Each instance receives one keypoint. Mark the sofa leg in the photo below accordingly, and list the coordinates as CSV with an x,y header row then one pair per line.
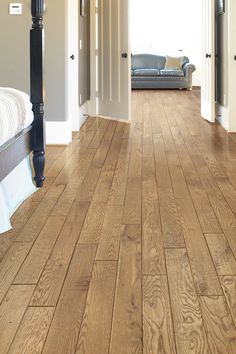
x,y
189,89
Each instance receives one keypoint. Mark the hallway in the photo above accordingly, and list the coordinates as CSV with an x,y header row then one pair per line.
x,y
131,246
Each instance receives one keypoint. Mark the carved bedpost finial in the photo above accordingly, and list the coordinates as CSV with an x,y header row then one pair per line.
x,y
37,11
36,83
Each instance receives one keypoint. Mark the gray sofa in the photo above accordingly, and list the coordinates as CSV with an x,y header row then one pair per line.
x,y
148,72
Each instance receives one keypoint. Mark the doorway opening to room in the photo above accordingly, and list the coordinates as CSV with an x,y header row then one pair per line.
x,y
145,23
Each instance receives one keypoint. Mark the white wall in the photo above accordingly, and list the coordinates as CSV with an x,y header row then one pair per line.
x,y
165,27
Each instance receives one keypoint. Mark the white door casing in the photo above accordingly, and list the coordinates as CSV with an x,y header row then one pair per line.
x,y
231,11
114,60
72,65
208,103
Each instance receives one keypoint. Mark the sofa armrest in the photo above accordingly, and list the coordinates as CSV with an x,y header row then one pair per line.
x,y
188,69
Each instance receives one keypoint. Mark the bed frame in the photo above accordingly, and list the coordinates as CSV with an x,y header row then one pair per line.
x,y
30,139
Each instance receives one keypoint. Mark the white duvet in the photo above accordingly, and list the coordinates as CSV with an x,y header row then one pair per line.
x,y
15,113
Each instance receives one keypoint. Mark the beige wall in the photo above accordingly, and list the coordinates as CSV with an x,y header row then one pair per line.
x,y
14,58
222,57
84,56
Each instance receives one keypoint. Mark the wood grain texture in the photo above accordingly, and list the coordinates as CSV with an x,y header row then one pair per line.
x,y
51,280
220,329
38,256
92,228
109,244
188,324
229,288
222,255
158,333
171,224
127,318
98,312
131,243
11,264
12,311
132,207
32,333
63,333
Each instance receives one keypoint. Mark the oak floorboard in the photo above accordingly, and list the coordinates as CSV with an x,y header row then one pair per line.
x,y
32,332
12,311
132,206
222,255
220,329
51,280
97,318
131,243
64,330
229,287
39,253
158,333
11,264
37,221
109,244
188,324
127,318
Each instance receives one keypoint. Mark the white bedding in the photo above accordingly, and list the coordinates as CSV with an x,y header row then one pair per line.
x,y
15,113
13,194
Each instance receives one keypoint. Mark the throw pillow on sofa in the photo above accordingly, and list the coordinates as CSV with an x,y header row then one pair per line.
x,y
174,63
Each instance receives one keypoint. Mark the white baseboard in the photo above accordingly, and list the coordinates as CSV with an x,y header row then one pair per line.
x,y
58,133
222,116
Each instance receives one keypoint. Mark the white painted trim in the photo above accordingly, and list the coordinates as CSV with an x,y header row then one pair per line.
x,y
115,119
222,116
231,66
58,133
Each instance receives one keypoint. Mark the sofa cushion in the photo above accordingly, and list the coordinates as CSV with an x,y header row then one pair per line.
x,y
174,63
178,73
146,72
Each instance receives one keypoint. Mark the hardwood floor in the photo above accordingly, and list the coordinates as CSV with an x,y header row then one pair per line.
x,y
131,245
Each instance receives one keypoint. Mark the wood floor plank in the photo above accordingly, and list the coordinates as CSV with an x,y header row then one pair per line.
x,y
51,281
32,333
68,196
171,224
205,276
98,312
220,329
12,311
147,211
108,247
127,318
92,228
153,261
158,333
64,330
205,212
229,288
103,148
11,264
132,207
222,210
118,188
222,255
36,222
189,330
38,255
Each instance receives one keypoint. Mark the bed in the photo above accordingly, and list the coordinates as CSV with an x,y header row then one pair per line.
x,y
22,121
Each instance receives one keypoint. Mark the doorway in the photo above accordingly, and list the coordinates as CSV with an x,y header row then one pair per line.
x,y
114,53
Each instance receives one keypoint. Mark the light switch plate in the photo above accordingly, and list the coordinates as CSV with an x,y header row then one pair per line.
x,y
15,8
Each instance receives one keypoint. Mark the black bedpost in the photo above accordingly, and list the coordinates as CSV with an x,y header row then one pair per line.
x,y
36,88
